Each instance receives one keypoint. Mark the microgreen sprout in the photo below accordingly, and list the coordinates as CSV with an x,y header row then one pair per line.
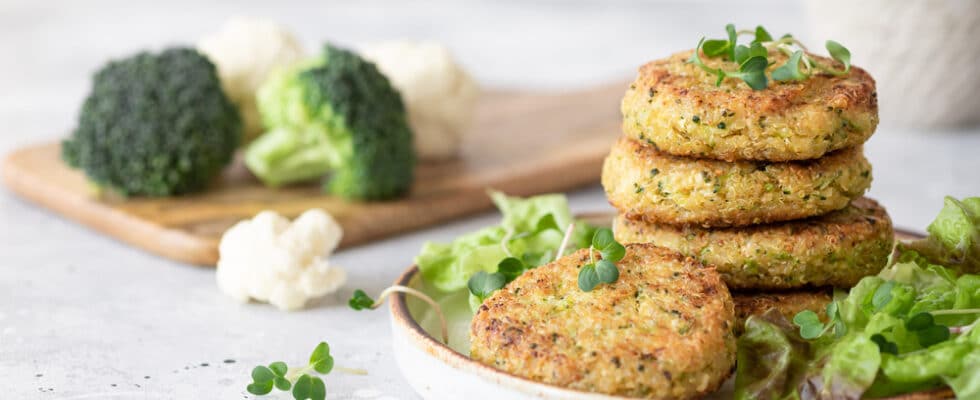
x,y
809,323
753,60
361,301
482,284
304,384
921,324
605,270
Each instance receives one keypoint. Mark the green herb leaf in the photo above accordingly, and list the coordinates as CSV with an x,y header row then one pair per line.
x,y
282,383
607,245
753,72
920,321
840,53
260,388
279,368
932,335
482,284
588,279
262,374
309,388
262,380
606,271
511,268
884,345
324,366
809,323
696,60
732,40
320,352
761,35
360,301
744,53
321,360
741,53
715,47
791,70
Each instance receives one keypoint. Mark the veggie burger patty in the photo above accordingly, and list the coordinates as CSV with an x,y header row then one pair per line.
x,y
664,329
836,249
644,183
675,106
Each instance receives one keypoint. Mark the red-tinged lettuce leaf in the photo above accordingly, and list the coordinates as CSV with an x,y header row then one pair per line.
x,y
772,359
774,362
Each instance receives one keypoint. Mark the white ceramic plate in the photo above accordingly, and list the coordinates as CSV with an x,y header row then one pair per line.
x,y
440,371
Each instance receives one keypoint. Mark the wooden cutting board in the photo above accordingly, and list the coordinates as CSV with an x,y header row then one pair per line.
x,y
522,144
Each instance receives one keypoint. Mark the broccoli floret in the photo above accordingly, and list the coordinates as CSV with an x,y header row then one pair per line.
x,y
335,115
155,125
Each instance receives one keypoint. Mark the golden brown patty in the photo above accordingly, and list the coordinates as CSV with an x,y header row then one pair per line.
x,y
786,303
659,188
837,249
663,330
676,106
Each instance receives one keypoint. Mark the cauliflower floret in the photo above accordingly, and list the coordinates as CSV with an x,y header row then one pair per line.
x,y
245,50
285,264
439,94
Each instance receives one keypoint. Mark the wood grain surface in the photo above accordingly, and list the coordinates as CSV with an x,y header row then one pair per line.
x,y
522,143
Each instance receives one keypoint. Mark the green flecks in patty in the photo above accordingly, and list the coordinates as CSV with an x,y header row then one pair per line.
x,y
721,125
654,172
637,188
696,119
770,187
660,189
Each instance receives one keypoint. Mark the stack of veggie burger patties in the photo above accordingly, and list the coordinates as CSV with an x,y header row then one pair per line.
x,y
764,184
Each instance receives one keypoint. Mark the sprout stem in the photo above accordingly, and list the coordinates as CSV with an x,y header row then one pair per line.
x,y
954,312
960,329
503,242
352,371
564,240
422,296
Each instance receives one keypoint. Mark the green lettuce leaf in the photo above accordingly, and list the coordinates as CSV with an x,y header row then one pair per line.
x,y
522,215
966,384
912,327
954,236
527,231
